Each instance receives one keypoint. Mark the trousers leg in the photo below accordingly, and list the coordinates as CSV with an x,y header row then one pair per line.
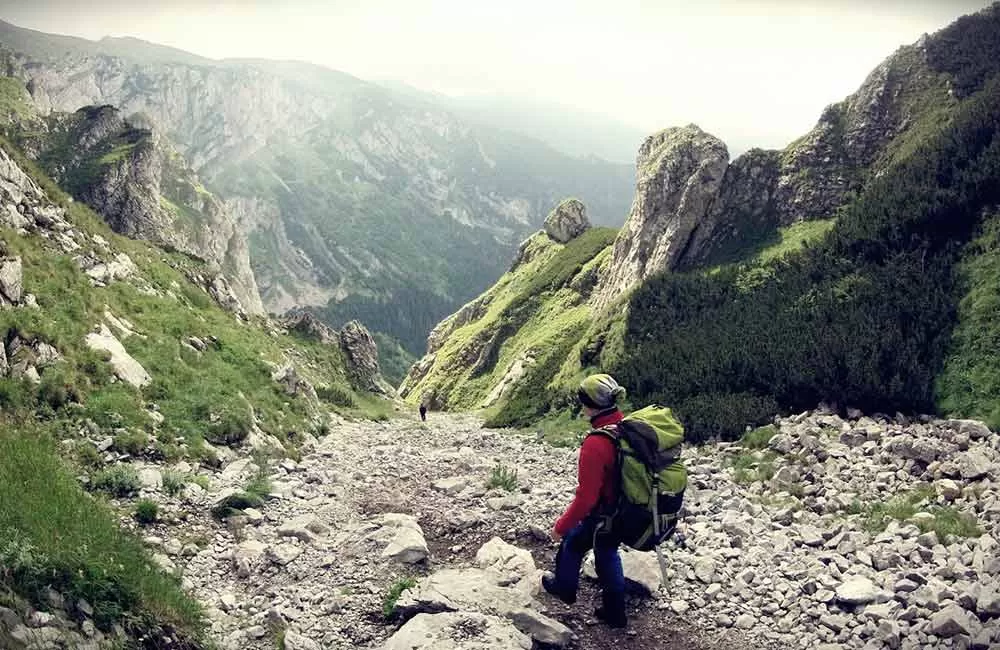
x,y
608,563
569,559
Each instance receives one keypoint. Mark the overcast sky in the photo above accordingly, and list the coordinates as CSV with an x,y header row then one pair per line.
x,y
754,73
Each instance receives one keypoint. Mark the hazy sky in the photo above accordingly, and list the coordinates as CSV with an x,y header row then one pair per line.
x,y
754,73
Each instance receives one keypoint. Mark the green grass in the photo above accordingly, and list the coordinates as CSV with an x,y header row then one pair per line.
x,y
117,153
795,237
393,594
948,521
173,482
502,477
147,512
749,467
562,429
121,481
14,98
759,437
52,534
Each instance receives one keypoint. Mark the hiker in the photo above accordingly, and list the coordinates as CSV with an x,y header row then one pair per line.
x,y
622,461
423,412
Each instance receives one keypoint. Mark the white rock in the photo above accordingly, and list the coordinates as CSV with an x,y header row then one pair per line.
x,y
150,478
953,620
541,628
295,641
506,558
126,368
457,631
283,554
857,591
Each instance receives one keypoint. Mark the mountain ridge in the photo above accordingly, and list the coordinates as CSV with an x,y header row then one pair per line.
x,y
323,167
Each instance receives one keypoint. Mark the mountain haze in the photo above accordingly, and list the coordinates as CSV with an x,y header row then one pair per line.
x,y
356,201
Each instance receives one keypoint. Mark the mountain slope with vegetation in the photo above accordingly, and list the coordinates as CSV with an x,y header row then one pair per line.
x,y
139,184
357,201
844,269
109,353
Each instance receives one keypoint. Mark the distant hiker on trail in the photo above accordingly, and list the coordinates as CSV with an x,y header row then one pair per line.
x,y
423,412
623,461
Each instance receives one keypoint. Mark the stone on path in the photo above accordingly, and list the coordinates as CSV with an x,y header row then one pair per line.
x,y
857,591
457,631
295,641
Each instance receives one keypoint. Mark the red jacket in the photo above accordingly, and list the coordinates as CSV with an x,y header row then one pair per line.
x,y
597,475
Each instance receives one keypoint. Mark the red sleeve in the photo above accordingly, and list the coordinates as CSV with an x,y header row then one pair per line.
x,y
596,453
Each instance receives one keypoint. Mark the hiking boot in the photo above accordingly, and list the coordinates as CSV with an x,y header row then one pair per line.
x,y
549,584
617,621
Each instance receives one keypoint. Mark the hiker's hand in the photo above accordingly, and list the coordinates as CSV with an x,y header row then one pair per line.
x,y
556,537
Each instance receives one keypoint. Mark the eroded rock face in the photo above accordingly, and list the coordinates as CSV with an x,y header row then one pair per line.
x,y
145,190
361,355
568,221
679,174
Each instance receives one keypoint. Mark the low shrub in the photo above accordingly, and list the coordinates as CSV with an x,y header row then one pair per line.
x,y
147,512
392,596
120,481
503,477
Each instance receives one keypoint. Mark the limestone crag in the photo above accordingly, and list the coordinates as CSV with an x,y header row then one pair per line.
x,y
144,189
853,141
679,173
361,355
567,221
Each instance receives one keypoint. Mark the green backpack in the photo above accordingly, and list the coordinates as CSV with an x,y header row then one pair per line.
x,y
649,449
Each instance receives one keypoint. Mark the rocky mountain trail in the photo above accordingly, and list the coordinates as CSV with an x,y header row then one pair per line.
x,y
818,531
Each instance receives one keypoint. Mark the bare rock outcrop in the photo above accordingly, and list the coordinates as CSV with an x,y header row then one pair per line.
x,y
567,221
361,355
679,174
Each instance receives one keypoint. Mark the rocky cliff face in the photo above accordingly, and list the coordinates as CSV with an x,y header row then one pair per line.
x,y
852,142
691,208
144,189
679,173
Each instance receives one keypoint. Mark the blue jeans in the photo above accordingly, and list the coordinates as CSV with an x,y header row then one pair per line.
x,y
608,563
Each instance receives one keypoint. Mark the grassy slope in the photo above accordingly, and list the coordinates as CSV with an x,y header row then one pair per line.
x,y
52,533
537,309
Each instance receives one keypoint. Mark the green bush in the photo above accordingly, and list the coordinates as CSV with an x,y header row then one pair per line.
x,y
120,481
759,437
234,503
503,477
173,482
231,428
147,512
87,454
131,441
392,596
336,395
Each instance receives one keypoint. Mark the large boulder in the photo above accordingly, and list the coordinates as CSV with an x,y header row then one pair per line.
x,y
568,221
11,287
457,631
679,174
124,365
